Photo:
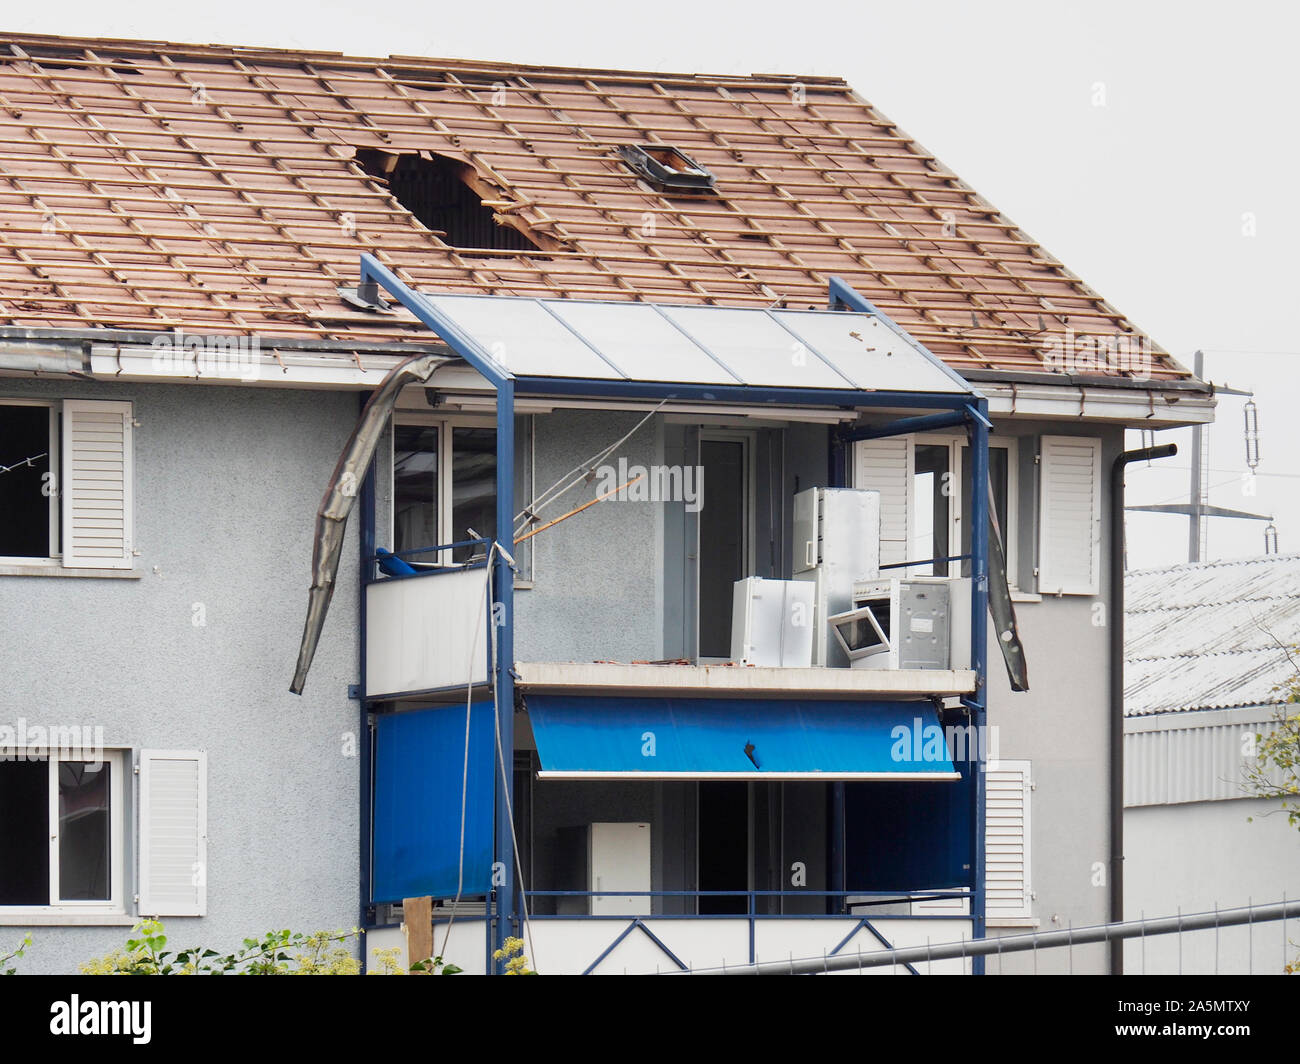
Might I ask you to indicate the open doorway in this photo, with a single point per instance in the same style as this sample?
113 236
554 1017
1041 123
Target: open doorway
723 856
726 535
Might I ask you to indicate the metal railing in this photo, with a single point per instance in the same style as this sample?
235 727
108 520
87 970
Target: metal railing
1129 929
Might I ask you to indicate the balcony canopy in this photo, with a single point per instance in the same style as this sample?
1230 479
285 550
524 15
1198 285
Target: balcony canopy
737 739
724 346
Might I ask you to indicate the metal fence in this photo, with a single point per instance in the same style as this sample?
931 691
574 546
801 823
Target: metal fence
993 949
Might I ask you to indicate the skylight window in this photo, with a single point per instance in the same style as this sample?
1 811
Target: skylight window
667 168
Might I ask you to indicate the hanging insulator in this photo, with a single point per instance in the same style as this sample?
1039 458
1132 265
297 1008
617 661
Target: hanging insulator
1270 539
1251 414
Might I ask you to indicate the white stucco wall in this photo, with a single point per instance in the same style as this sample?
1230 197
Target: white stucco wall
1197 856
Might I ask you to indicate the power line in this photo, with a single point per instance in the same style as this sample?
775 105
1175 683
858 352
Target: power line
1248 351
1182 495
1239 472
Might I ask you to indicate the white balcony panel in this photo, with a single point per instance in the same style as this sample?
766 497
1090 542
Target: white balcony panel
426 633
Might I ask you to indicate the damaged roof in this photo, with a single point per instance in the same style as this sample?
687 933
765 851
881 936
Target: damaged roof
1211 635
146 185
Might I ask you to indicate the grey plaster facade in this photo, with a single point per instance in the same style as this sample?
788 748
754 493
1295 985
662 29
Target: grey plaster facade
227 481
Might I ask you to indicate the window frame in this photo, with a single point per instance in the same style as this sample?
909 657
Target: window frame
54 408
955 442
115 905
446 426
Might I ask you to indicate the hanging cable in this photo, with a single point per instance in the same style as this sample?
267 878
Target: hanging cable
24 462
501 761
576 475
464 780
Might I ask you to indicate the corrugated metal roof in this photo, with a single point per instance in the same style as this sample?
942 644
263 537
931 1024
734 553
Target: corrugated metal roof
1210 635
151 185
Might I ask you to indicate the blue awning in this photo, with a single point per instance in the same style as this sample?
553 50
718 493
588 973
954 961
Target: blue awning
742 739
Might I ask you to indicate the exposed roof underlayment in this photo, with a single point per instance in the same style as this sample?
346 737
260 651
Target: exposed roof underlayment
151 186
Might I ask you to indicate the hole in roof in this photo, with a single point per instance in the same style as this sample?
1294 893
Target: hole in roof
72 59
442 83
447 197
667 168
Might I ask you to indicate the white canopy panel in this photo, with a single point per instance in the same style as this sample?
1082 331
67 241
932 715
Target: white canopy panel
725 346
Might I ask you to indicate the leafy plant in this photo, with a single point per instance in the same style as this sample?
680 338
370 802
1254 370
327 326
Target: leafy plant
1275 772
276 953
13 955
386 960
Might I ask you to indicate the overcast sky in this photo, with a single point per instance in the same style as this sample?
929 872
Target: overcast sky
1151 147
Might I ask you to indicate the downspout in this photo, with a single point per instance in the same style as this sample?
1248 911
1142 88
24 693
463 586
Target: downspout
1116 608
504 598
978 433
839 472
366 572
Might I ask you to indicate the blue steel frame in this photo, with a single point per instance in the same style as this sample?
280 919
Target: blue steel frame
969 407
854 922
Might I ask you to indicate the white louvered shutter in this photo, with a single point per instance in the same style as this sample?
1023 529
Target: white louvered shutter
1006 849
1069 527
96 489
173 833
1006 841
886 466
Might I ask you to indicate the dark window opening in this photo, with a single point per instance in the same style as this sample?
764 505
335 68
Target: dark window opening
24 832
999 479
26 482
437 497
415 489
667 168
85 831
932 485
473 487
440 193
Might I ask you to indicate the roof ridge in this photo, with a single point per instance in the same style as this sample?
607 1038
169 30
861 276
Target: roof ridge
1218 563
268 52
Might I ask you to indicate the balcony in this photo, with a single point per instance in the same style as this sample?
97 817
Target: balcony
526 756
631 944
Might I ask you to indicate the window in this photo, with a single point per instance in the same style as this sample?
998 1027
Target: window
941 502
925 499
29 449
61 832
666 168
444 485
65 822
66 483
